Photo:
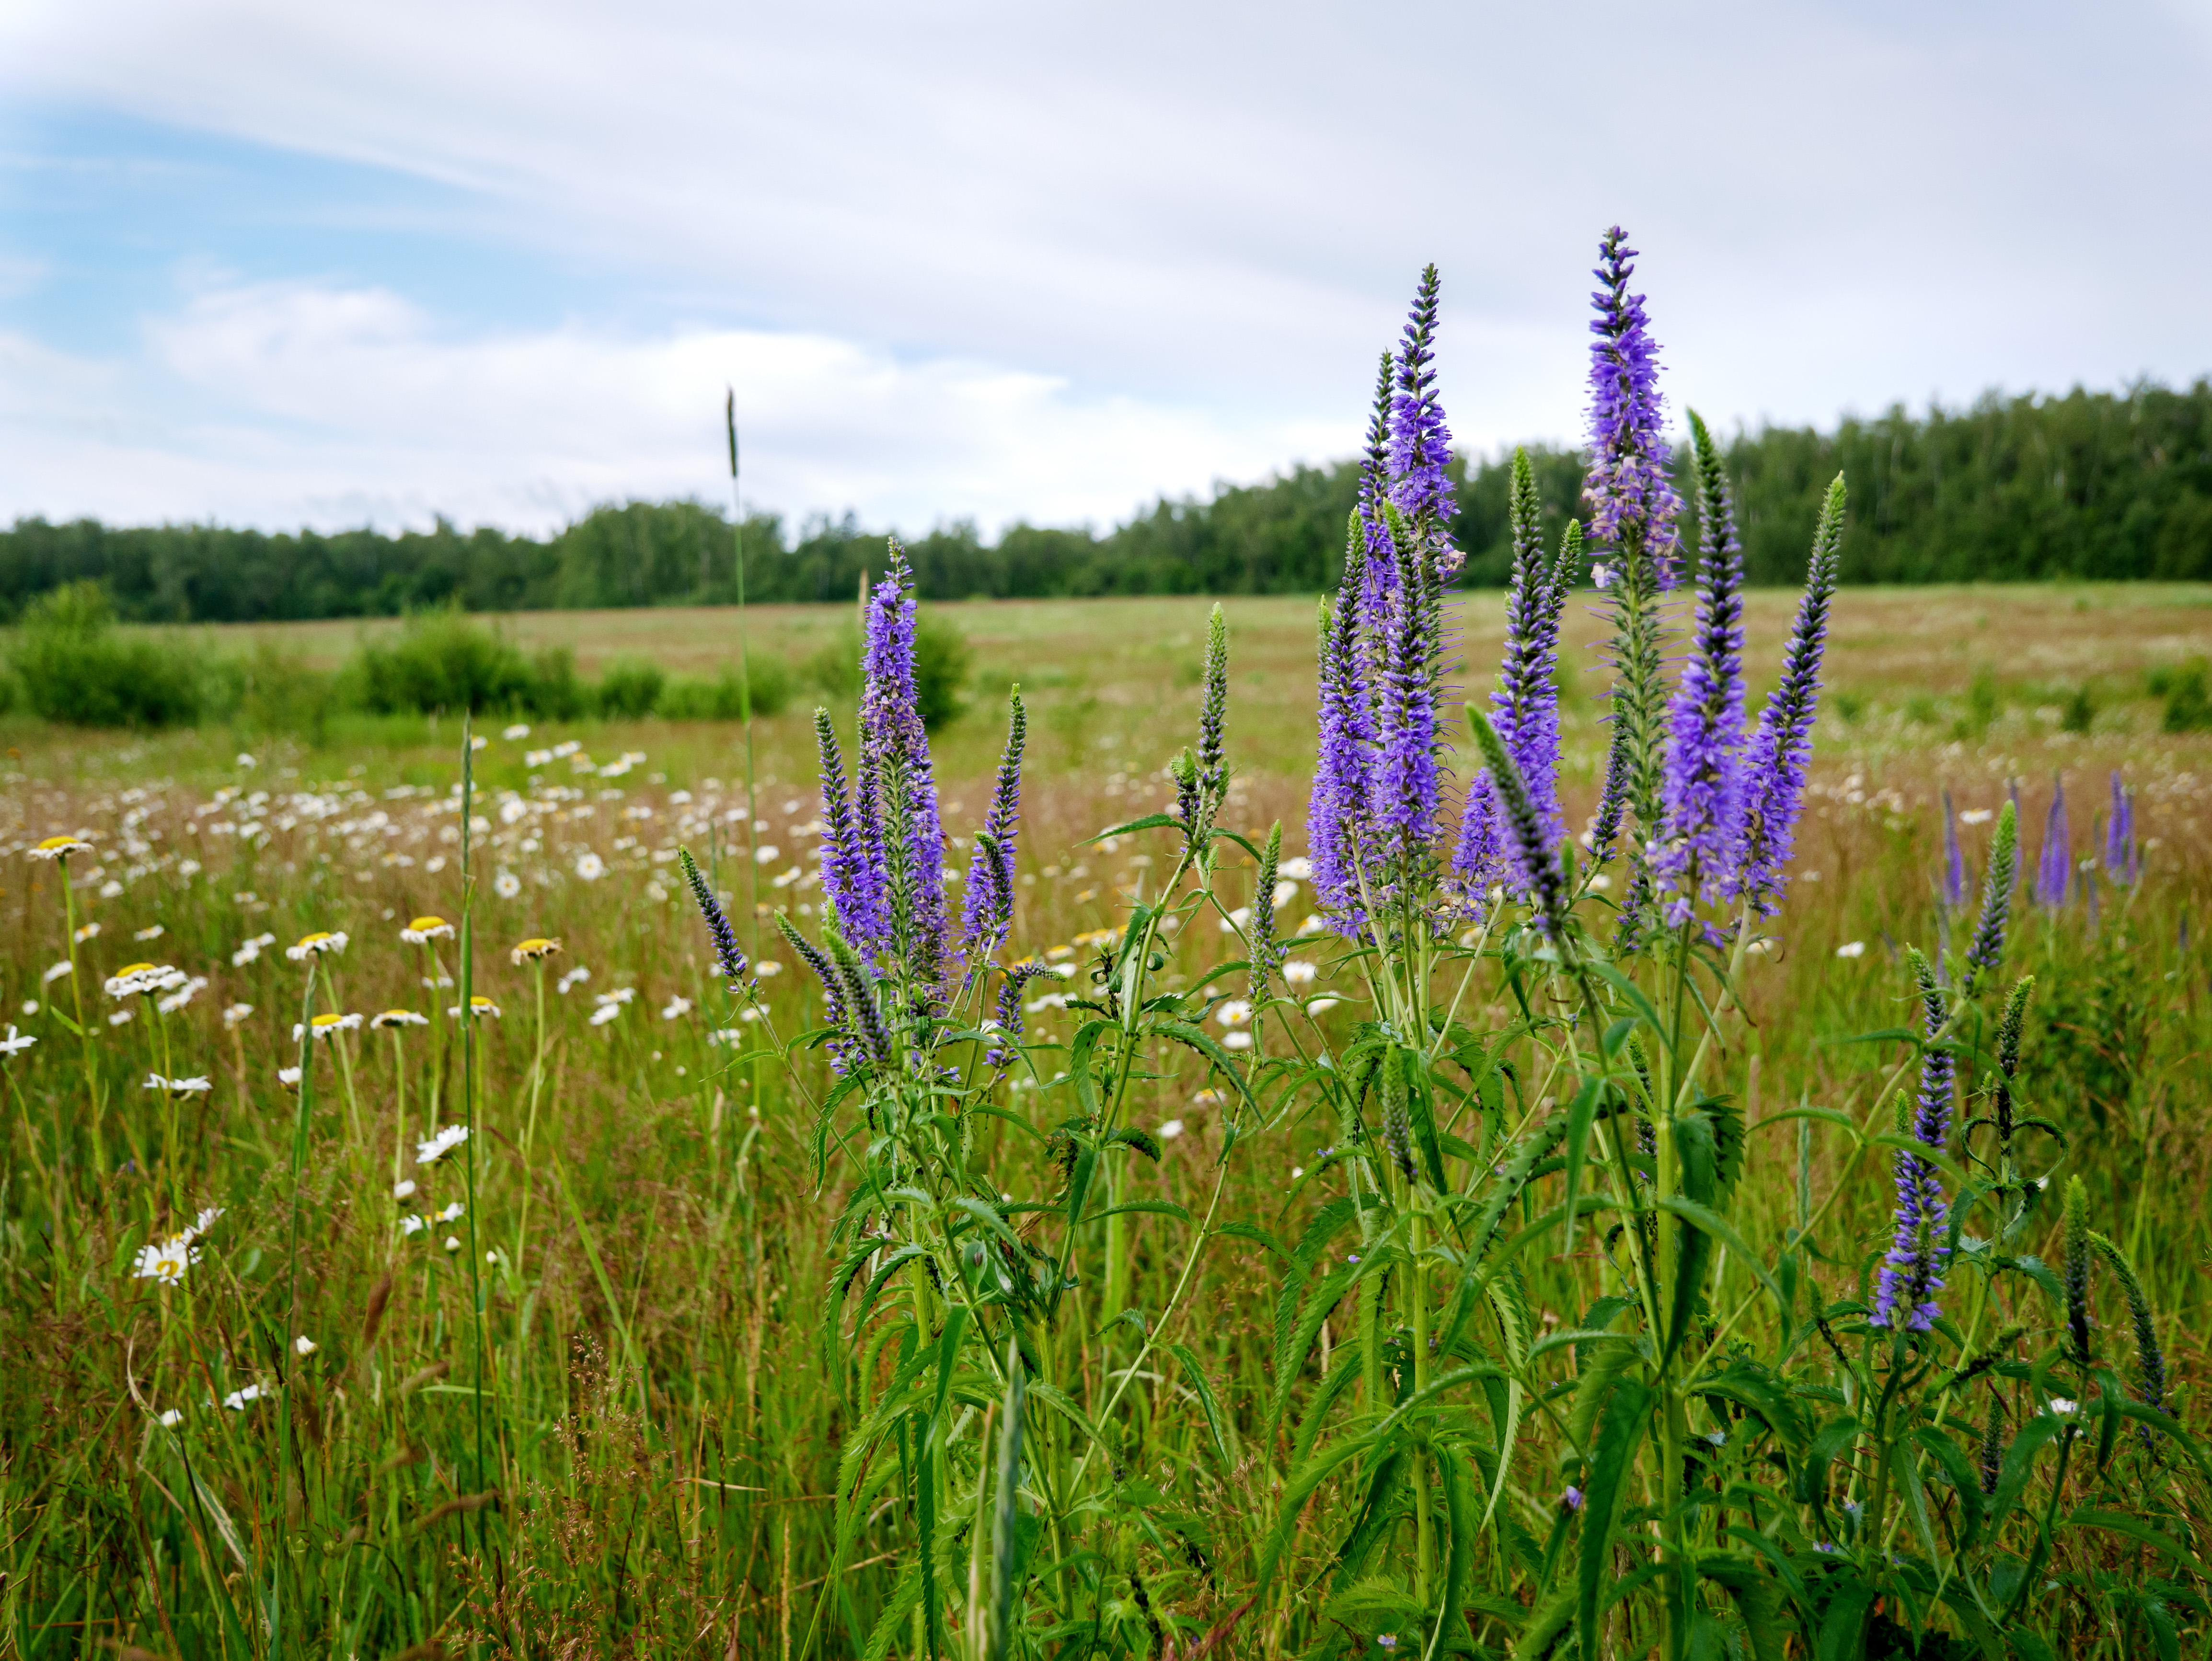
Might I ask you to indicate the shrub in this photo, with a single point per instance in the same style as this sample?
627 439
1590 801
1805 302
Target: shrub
76 669
2187 700
721 699
556 692
442 661
630 692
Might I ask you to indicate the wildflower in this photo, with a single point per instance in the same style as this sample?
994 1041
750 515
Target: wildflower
1955 862
533 950
1702 791
1322 1006
198 1086
86 931
452 1243
1337 811
589 865
122 1017
1572 1500
675 1008
60 847
412 1225
1851 949
54 972
239 1400
2077 1268
1632 502
440 1144
1239 1039
479 1005
987 909
894 807
1535 858
152 932
606 1012
246 761
1986 950
1976 815
1774 760
166 1260
143 979
574 977
250 950
13 1044
2122 861
450 1213
1913 1272
423 930
303 1345
183 996
30 1005
519 730
2054 867
398 1018
2064 1407
1235 1012
316 945
288 1077
730 960
325 1026
506 885
1298 972
403 1189
170 1419
768 969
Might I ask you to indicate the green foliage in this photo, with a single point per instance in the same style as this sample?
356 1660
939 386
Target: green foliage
2188 695
76 669
723 697
630 690
443 662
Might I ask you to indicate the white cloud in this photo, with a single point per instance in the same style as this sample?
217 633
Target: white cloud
292 403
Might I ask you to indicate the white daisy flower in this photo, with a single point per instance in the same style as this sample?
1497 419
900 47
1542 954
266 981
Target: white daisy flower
151 931
288 1077
1171 1129
444 1142
165 1261
506 885
1299 972
395 1018
55 973
590 866
403 1189
423 930
573 978
605 1013
1236 1012
237 1012
316 945
412 1226
14 1044
452 1243
675 1008
177 1086
303 1345
239 1400
170 1419
59 848
453 1213
327 1027
1851 949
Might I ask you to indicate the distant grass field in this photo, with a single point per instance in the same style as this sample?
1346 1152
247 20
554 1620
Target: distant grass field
667 1408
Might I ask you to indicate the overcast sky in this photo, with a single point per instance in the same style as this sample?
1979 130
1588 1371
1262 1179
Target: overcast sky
279 263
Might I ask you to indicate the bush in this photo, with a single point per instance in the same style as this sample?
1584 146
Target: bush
721 699
270 690
76 669
556 692
442 662
2187 700
630 692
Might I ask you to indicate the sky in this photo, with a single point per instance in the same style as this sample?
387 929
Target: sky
283 265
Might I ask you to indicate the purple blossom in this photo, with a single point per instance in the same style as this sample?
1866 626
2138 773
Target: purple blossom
1633 501
851 863
987 912
1337 816
1420 442
1702 788
1780 749
1379 555
730 960
1986 950
1613 795
2054 864
1008 1015
2121 860
1533 858
1912 1271
1955 862
896 752
1479 858
1406 777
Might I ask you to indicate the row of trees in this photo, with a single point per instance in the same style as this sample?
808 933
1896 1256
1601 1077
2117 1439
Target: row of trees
2091 484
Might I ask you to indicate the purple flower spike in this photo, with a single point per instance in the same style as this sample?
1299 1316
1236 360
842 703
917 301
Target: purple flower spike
1479 860
1405 781
1703 785
1913 1272
851 864
1955 862
1775 763
895 752
2054 864
1379 555
1337 814
2121 860
1632 502
987 912
1420 443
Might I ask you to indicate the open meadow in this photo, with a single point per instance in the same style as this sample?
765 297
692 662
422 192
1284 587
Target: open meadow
644 1364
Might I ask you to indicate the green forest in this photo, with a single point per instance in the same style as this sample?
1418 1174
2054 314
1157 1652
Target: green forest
2089 484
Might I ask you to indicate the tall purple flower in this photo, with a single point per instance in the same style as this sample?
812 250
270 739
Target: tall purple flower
1533 859
1985 951
1337 814
1782 745
1407 779
1633 501
987 912
1478 857
2120 856
2054 863
1378 555
1703 790
1913 1272
896 750
1955 862
1420 442
852 876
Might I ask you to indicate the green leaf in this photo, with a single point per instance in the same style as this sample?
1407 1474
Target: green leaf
1620 1428
1459 1560
1206 1045
1581 1114
1709 1221
1149 822
1216 1422
1149 1207
1078 1064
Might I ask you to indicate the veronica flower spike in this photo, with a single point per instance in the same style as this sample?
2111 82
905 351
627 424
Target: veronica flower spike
987 912
2054 865
2120 858
1633 501
1955 862
1337 823
1700 836
1912 1273
1781 747
1536 860
895 760
1986 950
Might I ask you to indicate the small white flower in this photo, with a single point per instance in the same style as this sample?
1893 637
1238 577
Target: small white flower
183 996
174 1086
412 1226
766 853
165 1261
506 885
605 1013
151 931
2062 1407
317 944
90 931
60 847
1599 575
1235 920
452 1243
1314 924
620 995
1286 890
575 977
1299 972
55 973
14 1044
453 1213
403 1189
388 1019
1976 815
237 1400
1322 1006
590 866
303 1345
519 730
1240 1039
1851 949
438 1146
122 1018
1600 883
675 1008
327 1027
423 930
768 969
236 1012
1171 1130
1236 1012
170 1419
30 1005
479 1005
288 1077
246 761
1296 1171
1299 868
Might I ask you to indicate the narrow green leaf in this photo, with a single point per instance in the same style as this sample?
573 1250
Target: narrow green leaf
1620 1428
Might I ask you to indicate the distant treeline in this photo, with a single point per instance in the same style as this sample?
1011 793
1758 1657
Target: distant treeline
2091 484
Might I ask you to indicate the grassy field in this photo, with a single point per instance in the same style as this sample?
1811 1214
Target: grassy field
649 1461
